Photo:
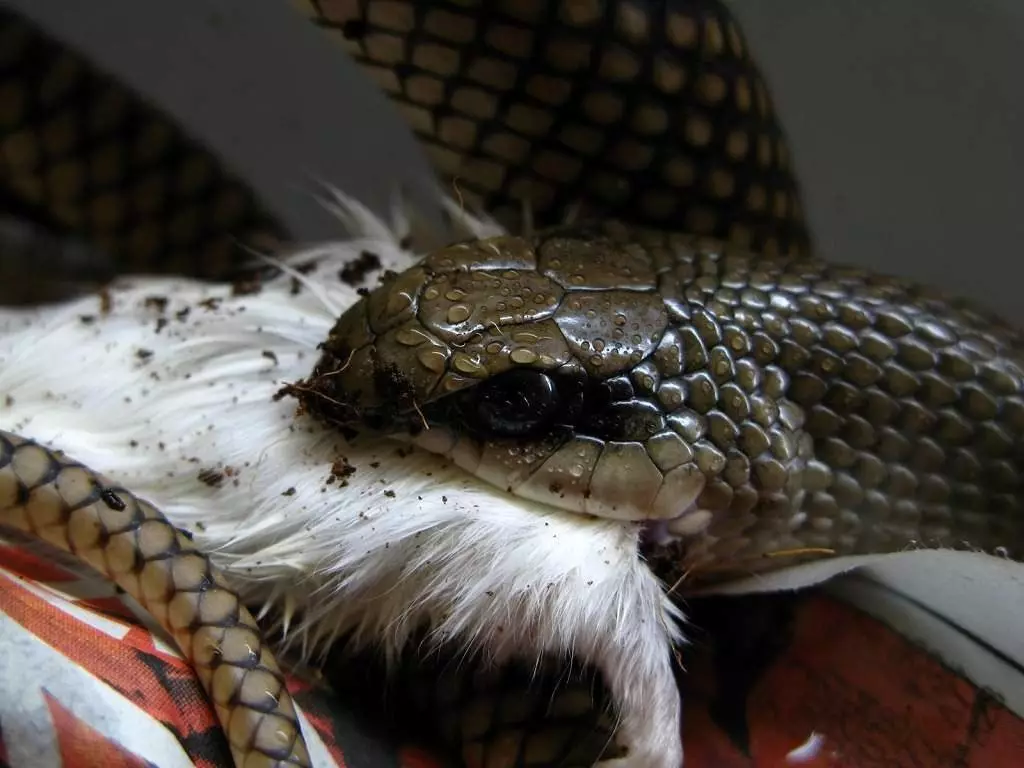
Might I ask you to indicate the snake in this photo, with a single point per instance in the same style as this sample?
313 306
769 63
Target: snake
659 344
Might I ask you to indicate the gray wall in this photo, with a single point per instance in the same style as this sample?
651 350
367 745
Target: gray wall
907 116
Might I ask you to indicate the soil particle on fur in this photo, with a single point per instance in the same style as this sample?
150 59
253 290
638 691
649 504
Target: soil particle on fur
144 355
303 269
159 303
269 355
211 477
341 469
355 271
247 286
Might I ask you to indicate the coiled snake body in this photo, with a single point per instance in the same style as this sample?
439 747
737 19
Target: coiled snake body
690 371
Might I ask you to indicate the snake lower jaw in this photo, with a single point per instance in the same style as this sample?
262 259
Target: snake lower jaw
551 476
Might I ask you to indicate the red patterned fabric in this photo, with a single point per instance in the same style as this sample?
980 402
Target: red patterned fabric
86 683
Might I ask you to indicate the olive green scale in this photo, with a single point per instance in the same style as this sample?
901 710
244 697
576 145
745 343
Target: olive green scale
825 408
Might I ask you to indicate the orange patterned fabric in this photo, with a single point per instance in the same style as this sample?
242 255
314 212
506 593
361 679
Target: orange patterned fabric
855 694
85 683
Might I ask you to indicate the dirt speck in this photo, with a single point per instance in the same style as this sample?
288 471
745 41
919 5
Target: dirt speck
144 355
159 303
354 272
211 477
269 355
341 469
290 491
112 500
247 286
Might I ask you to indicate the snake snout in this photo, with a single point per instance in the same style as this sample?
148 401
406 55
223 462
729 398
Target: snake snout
378 364
360 387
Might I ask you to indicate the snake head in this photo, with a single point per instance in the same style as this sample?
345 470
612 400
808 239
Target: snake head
464 316
551 367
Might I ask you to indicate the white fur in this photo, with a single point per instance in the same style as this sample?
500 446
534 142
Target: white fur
475 565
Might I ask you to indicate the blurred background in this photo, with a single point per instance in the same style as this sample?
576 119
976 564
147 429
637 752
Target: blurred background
906 117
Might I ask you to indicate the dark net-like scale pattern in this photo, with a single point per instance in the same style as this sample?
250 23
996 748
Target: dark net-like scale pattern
652 112
83 155
66 504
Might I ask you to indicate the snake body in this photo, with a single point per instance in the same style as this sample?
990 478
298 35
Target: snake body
740 397
739 406
67 505
652 112
694 371
91 160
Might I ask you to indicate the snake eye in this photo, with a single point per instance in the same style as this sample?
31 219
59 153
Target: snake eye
514 404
